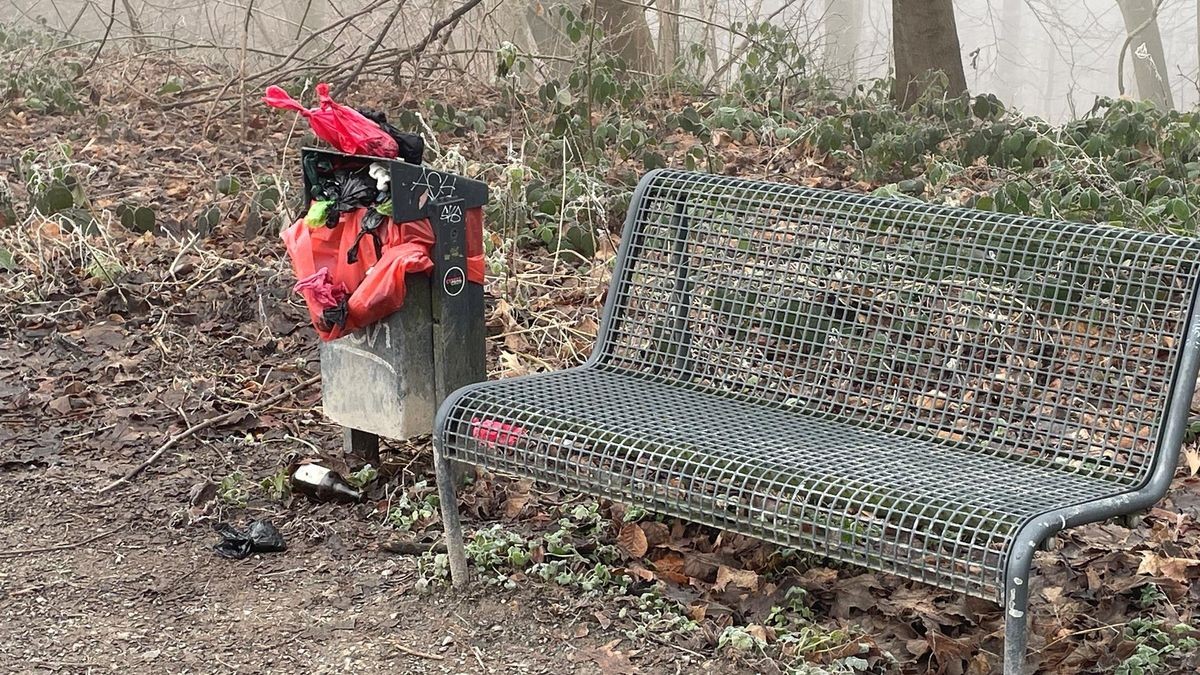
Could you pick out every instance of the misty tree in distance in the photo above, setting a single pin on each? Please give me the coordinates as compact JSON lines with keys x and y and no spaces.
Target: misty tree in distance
{"x":627,"y":33}
{"x":843,"y":32}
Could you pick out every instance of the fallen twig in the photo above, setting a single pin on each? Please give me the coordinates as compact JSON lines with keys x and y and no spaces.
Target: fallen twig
{"x":212,"y":421}
{"x":479,"y":658}
{"x":424,"y":655}
{"x":60,"y":547}
{"x":413,"y":547}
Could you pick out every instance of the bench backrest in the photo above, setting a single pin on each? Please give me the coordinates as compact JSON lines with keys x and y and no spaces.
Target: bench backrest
{"x":1059,"y":343}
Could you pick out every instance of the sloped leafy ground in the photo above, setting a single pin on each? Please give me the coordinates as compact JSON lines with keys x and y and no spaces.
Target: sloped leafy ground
{"x":112,"y":341}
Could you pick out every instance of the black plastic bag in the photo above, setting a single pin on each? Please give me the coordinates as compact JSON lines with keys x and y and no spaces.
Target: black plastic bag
{"x":317,"y":169}
{"x":347,"y":190}
{"x":412,"y":146}
{"x":369,"y":225}
{"x":259,"y":537}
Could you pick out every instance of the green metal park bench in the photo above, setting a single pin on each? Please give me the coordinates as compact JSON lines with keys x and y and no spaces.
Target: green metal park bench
{"x":916,"y":389}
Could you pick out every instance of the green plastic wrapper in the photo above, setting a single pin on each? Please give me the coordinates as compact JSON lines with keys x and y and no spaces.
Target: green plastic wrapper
{"x":317,"y":213}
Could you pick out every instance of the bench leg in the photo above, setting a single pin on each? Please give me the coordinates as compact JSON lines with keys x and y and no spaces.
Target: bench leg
{"x":1016,"y":616}
{"x":448,"y":496}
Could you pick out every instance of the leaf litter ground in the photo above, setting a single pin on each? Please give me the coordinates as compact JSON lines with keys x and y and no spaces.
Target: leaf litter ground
{"x":112,"y":343}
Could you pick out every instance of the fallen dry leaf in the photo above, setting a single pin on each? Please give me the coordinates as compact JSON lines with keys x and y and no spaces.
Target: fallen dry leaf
{"x":670,"y":568}
{"x":608,"y":660}
{"x":640,"y":572}
{"x":61,"y":405}
{"x":980,"y":665}
{"x":632,"y":540}
{"x":602,"y":619}
{"x":588,"y":326}
{"x":1175,"y":569}
{"x":761,"y":633}
{"x":741,"y":578}
{"x":917,"y":646}
{"x":514,"y":504}
{"x":656,"y":533}
{"x":1192,"y":457}
{"x":854,"y":593}
{"x":950,"y":653}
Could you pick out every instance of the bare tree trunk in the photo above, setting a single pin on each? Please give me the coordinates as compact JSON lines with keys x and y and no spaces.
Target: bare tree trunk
{"x":924,"y":39}
{"x":1145,"y":46}
{"x":1008,"y":76}
{"x":548,"y":36}
{"x":668,"y":35}
{"x":626,"y":32}
{"x":843,"y":31}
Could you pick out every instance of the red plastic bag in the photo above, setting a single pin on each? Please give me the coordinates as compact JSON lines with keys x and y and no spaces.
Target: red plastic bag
{"x":320,"y":290}
{"x":343,"y":297}
{"x":383,"y":291}
{"x":342,"y":127}
{"x":421,"y":231}
{"x":313,"y":248}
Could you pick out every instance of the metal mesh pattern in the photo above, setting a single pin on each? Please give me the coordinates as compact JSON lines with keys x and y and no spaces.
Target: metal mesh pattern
{"x":887,"y":383}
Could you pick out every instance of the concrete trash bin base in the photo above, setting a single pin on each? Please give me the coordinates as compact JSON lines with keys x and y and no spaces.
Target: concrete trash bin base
{"x":381,"y":379}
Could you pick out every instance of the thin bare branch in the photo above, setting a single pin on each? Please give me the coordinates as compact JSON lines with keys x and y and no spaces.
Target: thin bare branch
{"x":387,"y":26}
{"x":420,"y":47}
{"x":112,"y":18}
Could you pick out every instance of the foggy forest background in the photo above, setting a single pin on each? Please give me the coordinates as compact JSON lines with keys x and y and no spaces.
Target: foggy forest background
{"x":1048,"y":58}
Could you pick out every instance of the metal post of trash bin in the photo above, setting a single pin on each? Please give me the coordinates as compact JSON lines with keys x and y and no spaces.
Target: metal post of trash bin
{"x":458,"y":332}
{"x":388,"y":379}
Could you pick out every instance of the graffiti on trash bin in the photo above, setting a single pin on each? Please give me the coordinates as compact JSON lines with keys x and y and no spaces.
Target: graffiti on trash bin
{"x":439,"y":187}
{"x":369,"y":336}
{"x":452,"y":214}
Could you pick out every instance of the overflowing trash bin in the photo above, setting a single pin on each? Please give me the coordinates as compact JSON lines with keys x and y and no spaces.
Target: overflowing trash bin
{"x":389,"y":260}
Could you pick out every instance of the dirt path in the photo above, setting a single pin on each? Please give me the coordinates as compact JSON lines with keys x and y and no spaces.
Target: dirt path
{"x":150,"y":597}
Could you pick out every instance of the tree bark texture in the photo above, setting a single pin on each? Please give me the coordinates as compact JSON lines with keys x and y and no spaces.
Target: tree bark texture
{"x":626,"y":33}
{"x":1146,"y":51}
{"x":925,"y":39}
{"x":668,"y":35}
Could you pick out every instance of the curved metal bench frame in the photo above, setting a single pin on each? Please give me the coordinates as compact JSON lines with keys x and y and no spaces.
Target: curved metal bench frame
{"x":1122,"y":285}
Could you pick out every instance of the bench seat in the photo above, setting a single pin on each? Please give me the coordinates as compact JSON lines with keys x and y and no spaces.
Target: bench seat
{"x":924,"y":509}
